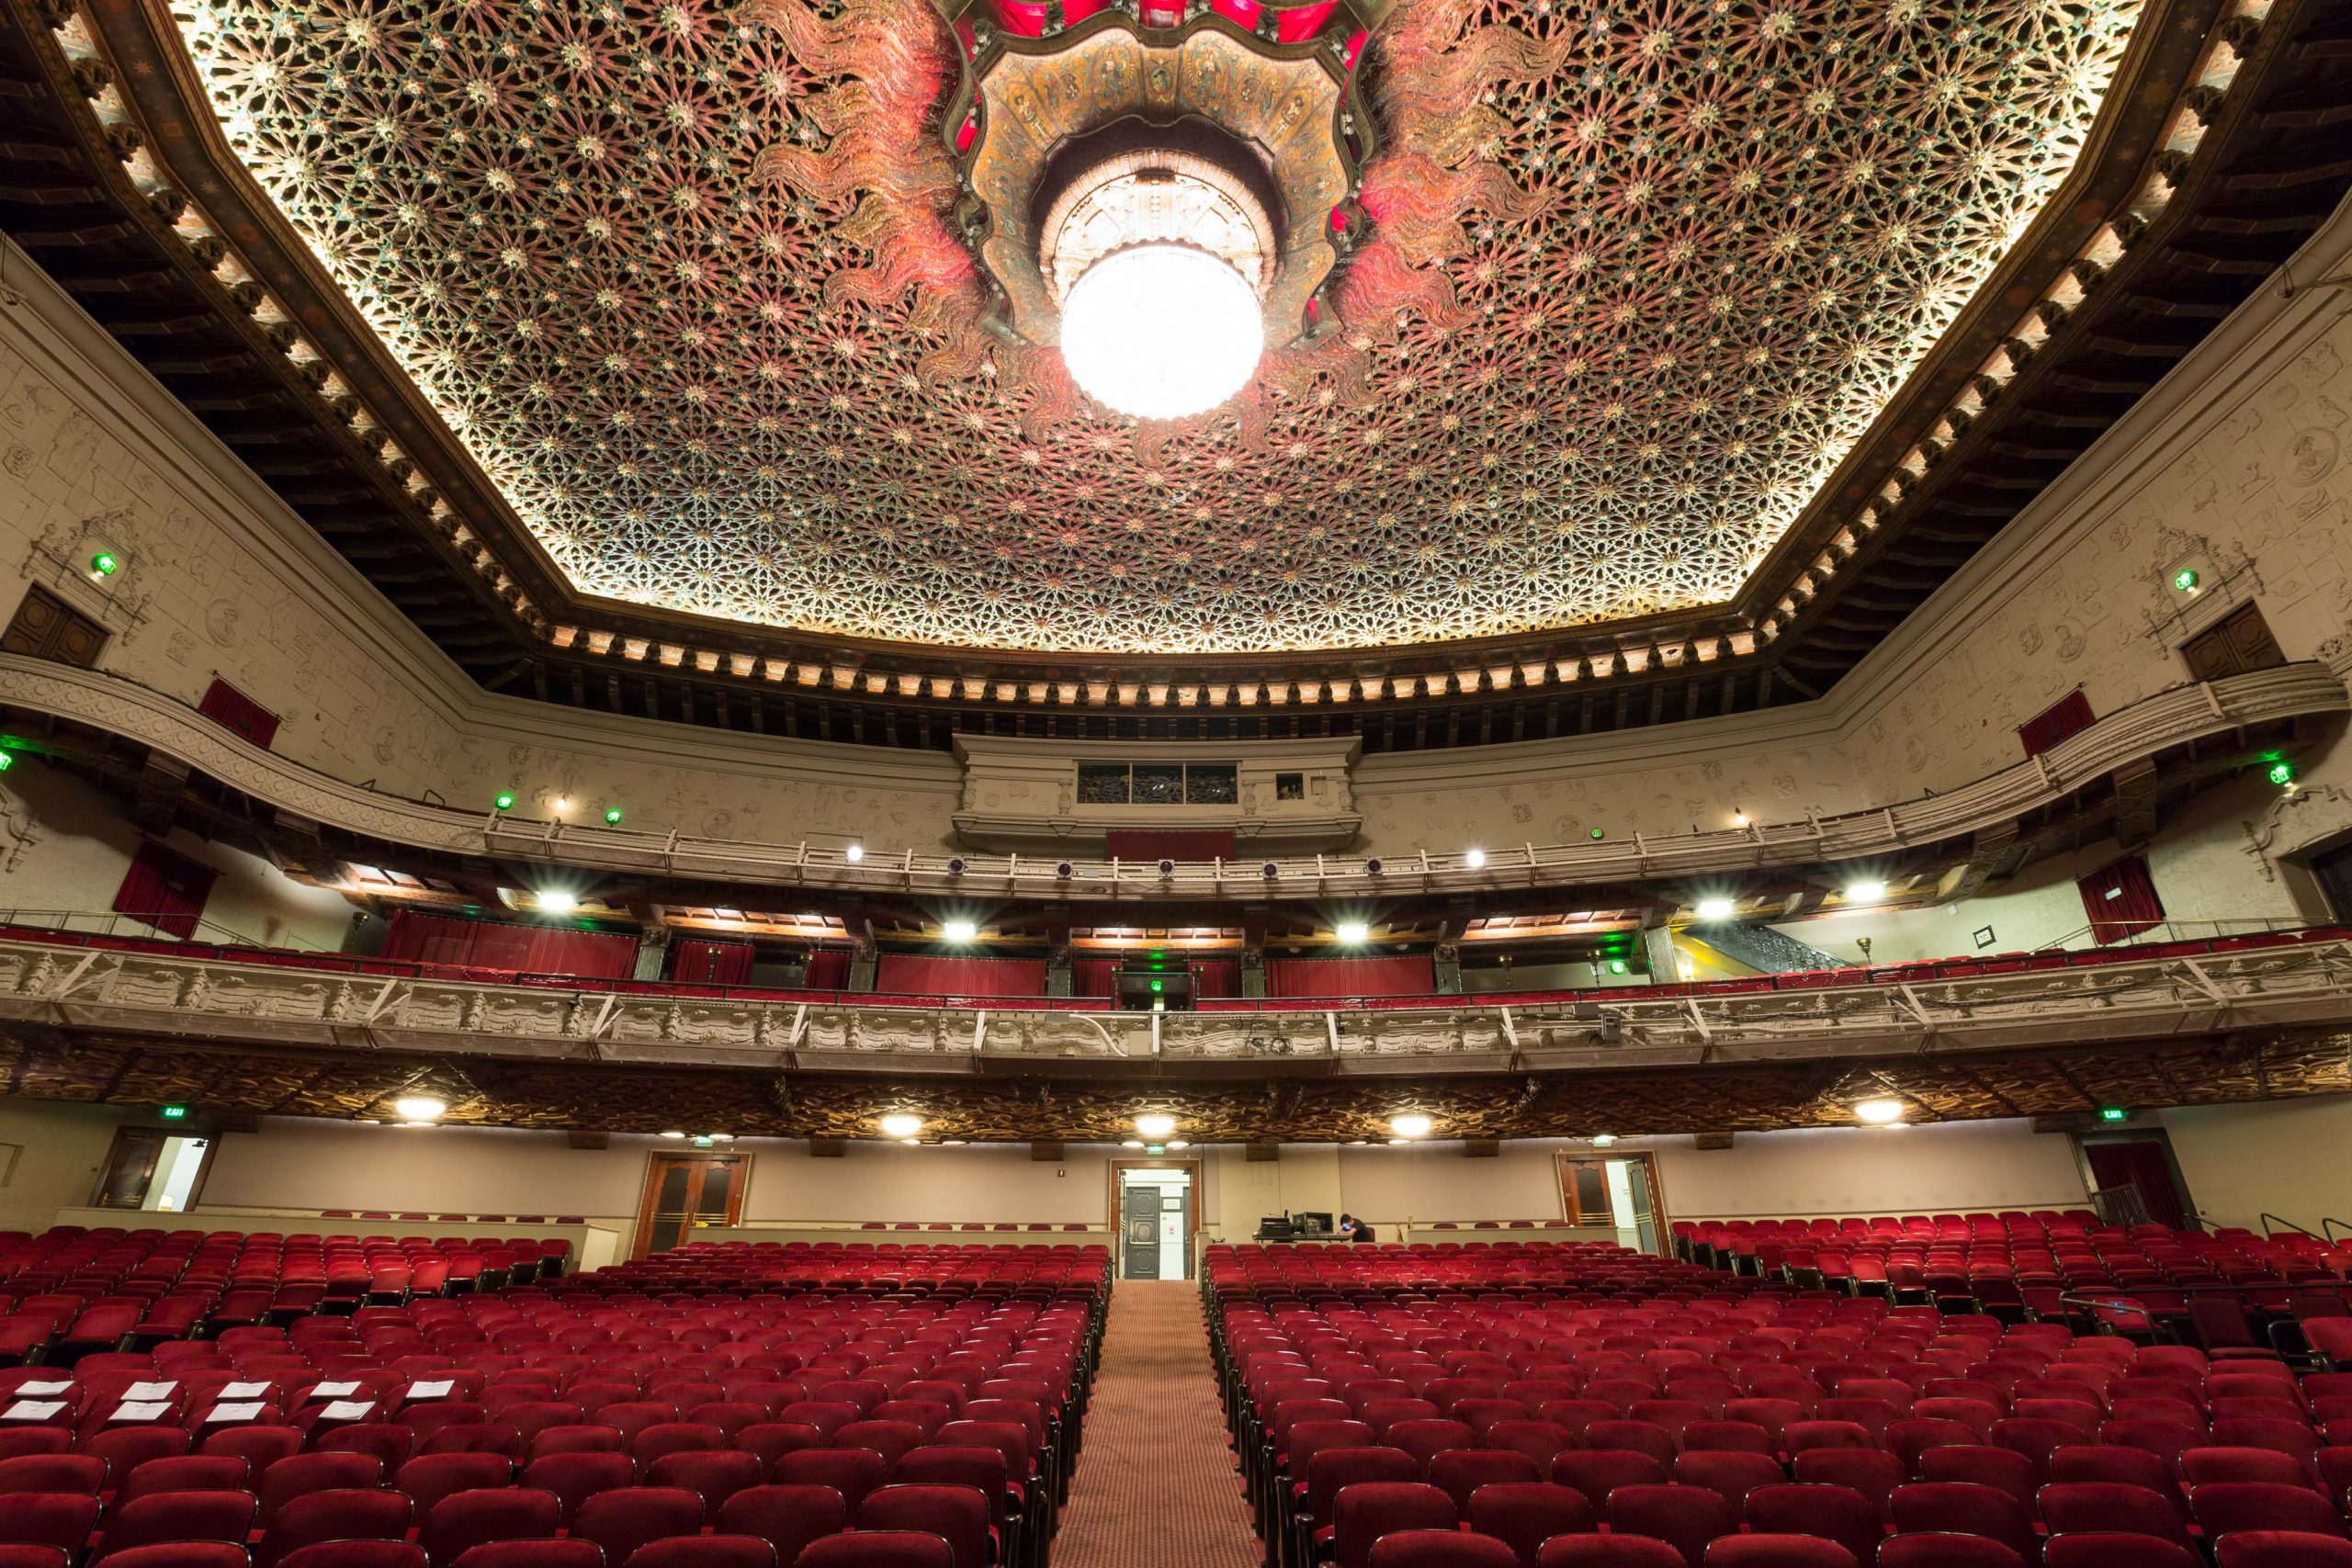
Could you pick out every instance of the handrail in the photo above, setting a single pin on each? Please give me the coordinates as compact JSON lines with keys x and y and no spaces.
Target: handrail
{"x":2132,"y":734}
{"x":2328,"y":1228}
{"x":2269,"y":1221}
{"x":109,"y":922}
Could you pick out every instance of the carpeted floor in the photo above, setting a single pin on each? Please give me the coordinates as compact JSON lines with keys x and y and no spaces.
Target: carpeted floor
{"x":1155,"y":1486}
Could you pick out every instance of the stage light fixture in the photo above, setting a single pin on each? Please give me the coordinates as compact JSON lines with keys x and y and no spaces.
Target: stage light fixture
{"x":556,"y":901}
{"x":1474,"y":858}
{"x":1354,"y":933}
{"x":854,"y":854}
{"x":1717,"y":909}
{"x":1865,"y":890}
{"x":959,"y":930}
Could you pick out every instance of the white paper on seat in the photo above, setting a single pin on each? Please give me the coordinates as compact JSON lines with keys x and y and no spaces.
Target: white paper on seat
{"x":347,"y":1409}
{"x":33,"y":1410}
{"x":148,"y":1392}
{"x":140,"y":1410}
{"x":333,"y":1389}
{"x":244,"y":1391}
{"x":432,"y":1390}
{"x":55,"y":1385}
{"x":249,"y":1410}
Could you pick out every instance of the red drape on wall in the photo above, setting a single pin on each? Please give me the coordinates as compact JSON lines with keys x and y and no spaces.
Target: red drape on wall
{"x":1216,"y":979}
{"x":233,"y":709}
{"x":2069,"y":714}
{"x":2140,"y":1162}
{"x":1093,"y":976}
{"x":1408,"y":975}
{"x":165,"y":889}
{"x":2120,"y":899}
{"x":1150,"y":846}
{"x":828,"y":969}
{"x":527,"y":950}
{"x":923,"y":974}
{"x":701,"y":961}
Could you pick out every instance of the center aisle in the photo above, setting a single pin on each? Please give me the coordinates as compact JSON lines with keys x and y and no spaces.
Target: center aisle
{"x":1156,"y":1486}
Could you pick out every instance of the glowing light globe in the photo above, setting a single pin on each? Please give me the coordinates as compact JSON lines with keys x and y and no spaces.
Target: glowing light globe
{"x":1161,"y":331}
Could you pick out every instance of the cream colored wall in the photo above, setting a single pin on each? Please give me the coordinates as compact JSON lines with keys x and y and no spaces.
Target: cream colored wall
{"x":2290,"y":1158}
{"x":51,"y":1159}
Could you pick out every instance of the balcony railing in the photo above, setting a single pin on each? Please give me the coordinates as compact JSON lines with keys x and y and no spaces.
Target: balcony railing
{"x":2028,"y":1001}
{"x":2143,"y":731}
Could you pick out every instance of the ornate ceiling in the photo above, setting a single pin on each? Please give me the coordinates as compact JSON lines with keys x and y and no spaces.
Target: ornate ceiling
{"x":1633,"y":281}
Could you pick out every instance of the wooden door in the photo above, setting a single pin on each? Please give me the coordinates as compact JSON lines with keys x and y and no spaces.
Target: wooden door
{"x":46,"y":626}
{"x":2237,"y":645}
{"x":685,"y":1191}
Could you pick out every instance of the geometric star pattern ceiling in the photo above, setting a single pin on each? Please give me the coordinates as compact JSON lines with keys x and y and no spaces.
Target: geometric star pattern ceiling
{"x":679,"y":275}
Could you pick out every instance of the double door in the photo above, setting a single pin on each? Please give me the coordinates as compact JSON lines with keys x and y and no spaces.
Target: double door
{"x":682,"y":1192}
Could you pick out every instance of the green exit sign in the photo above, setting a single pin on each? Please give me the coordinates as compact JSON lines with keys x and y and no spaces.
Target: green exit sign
{"x":173,"y":1112}
{"x":2113,"y":1113}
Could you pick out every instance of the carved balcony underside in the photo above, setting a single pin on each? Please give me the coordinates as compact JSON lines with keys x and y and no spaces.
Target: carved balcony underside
{"x":2291,"y":984}
{"x":300,"y":795}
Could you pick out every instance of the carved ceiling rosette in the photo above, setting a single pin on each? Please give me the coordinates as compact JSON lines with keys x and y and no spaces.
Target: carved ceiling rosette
{"x":1284,"y":115}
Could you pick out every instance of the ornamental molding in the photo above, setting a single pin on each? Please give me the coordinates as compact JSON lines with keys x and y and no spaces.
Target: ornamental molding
{"x":113,"y":706}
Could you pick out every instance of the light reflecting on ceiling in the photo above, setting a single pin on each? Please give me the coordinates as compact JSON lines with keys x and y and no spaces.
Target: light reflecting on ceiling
{"x":1637,"y":278}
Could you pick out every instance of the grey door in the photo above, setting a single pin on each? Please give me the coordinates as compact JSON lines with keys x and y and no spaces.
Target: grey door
{"x":1139,"y":1230}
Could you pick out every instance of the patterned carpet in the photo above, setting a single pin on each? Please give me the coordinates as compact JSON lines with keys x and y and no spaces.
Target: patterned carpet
{"x":1155,"y":1486}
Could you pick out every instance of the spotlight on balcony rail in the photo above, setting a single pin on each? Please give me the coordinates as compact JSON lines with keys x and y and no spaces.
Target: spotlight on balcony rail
{"x":854,"y":854}
{"x":956,"y":865}
{"x":1474,"y":858}
{"x":1167,"y":869}
{"x":1270,"y":871}
{"x":1065,"y":871}
{"x":1372,"y":866}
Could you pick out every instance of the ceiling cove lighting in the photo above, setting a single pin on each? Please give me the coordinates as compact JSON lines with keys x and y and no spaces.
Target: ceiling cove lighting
{"x":1717,"y":909}
{"x":1879,"y":1112}
{"x":959,"y":930}
{"x":1354,"y":933}
{"x":1409,"y":1125}
{"x":901,"y":1124}
{"x":1161,"y":331}
{"x":419,"y":1108}
{"x":1155,"y":1124}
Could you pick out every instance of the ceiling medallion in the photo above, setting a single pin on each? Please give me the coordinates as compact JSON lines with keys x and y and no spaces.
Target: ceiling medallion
{"x":1161,"y":191}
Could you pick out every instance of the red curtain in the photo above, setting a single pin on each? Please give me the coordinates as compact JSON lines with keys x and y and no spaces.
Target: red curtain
{"x":1216,"y":979}
{"x":1409,"y":975}
{"x":1150,"y":846}
{"x":923,"y":974}
{"x":2070,"y":714}
{"x":2141,"y":1163}
{"x":525,"y":950}
{"x":1093,"y":978}
{"x":234,"y":710}
{"x":700,"y":961}
{"x":828,"y":969}
{"x":165,"y":889}
{"x":2120,"y":900}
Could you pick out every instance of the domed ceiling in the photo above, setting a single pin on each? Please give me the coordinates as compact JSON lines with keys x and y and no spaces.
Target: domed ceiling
{"x":1629,"y":282}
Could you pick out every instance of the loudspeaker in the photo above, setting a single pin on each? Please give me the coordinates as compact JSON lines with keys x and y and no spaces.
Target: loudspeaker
{"x":828,"y":1148}
{"x":1045,"y":1151}
{"x":1482,"y":1148}
{"x":580,"y":1140}
{"x":1262,"y":1154}
{"x":235,"y":1121}
{"x":1712,"y":1140}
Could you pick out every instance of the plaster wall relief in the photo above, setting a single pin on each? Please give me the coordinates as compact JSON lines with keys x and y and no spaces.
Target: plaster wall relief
{"x":2255,"y":496}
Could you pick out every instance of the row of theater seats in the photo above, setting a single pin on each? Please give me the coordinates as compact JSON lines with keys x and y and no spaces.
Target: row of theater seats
{"x":767,"y":1265}
{"x":71,"y":1292}
{"x":2227,"y":1289}
{"x":1491,"y":1420}
{"x":679,"y":1424}
{"x":452,"y":1219}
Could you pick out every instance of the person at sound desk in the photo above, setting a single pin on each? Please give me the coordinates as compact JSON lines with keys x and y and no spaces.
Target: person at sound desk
{"x":1353,"y":1229}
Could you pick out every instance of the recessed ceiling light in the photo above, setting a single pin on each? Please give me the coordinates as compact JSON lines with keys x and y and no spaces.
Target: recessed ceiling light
{"x":901,"y":1124}
{"x":1411,"y":1124}
{"x":1400,"y":1143}
{"x":1131,"y":1143}
{"x":911,"y":1143}
{"x":1879,"y":1112}
{"x":673,"y":1134}
{"x":953,"y":1143}
{"x":960,"y":930}
{"x":1717,"y":909}
{"x":420,"y":1107}
{"x":556,"y":901}
{"x":1604,"y":1140}
{"x":1155,"y":1124}
{"x":1355,"y":933}
{"x":1180,"y":1142}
